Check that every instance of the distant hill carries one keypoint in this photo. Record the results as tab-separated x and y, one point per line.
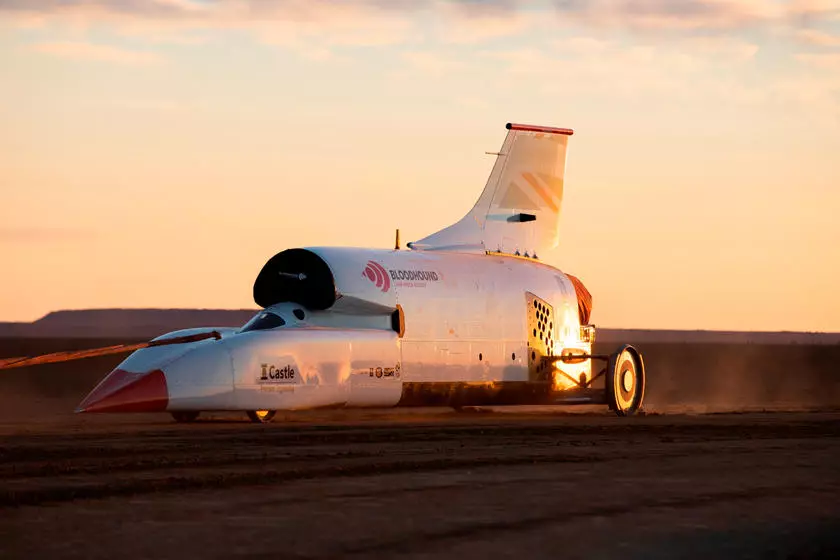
124	323
148	323
715	337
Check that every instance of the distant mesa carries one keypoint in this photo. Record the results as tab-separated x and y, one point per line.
123	323
640	336
148	323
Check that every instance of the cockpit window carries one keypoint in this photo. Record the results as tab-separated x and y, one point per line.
299	314
265	320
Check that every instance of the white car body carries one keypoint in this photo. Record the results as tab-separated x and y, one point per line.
467	316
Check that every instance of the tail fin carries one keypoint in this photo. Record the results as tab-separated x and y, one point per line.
519	210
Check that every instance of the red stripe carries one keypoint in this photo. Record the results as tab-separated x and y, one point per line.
125	391
536	128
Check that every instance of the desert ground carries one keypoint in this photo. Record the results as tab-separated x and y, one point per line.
736	455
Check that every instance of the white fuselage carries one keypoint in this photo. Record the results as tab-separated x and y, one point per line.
475	330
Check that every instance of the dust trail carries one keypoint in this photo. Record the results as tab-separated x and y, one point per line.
697	378
37	392
705	378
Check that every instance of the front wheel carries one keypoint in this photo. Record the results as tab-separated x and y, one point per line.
261	416
185	416
625	384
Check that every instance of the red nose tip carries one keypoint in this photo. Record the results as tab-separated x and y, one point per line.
124	391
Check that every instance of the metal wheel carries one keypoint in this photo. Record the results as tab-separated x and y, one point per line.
185	416
625	384
261	416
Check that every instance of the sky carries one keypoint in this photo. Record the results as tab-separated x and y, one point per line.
156	153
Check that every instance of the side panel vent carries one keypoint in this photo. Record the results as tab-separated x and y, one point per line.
541	329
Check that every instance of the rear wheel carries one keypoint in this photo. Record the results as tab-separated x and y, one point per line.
625	384
261	416
185	416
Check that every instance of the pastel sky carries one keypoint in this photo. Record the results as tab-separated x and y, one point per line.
155	153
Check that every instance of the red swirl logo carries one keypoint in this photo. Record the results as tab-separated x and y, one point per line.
378	275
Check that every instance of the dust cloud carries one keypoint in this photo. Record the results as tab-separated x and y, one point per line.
708	378
681	378
52	390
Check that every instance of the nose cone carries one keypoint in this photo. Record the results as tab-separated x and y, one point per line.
125	391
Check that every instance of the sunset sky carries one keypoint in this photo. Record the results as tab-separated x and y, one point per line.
156	153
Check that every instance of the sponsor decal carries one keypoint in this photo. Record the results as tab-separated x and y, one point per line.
277	388
272	374
414	275
413	278
385	372
378	275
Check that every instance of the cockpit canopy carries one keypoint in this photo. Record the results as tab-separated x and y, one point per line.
279	315
262	321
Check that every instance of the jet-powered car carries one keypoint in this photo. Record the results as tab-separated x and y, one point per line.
468	316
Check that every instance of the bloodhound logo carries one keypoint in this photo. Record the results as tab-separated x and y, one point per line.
378	275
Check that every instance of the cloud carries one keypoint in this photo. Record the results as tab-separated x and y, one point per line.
618	69
219	12
480	17
821	61
476	22
670	15
639	71
728	48
811	12
431	63
315	28
817	38
378	29
140	8
101	53
732	49
584	45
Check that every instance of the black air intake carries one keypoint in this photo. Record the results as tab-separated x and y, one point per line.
298	276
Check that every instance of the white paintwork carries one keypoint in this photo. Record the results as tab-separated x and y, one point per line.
476	306
465	312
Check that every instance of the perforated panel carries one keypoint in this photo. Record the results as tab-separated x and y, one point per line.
541	329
